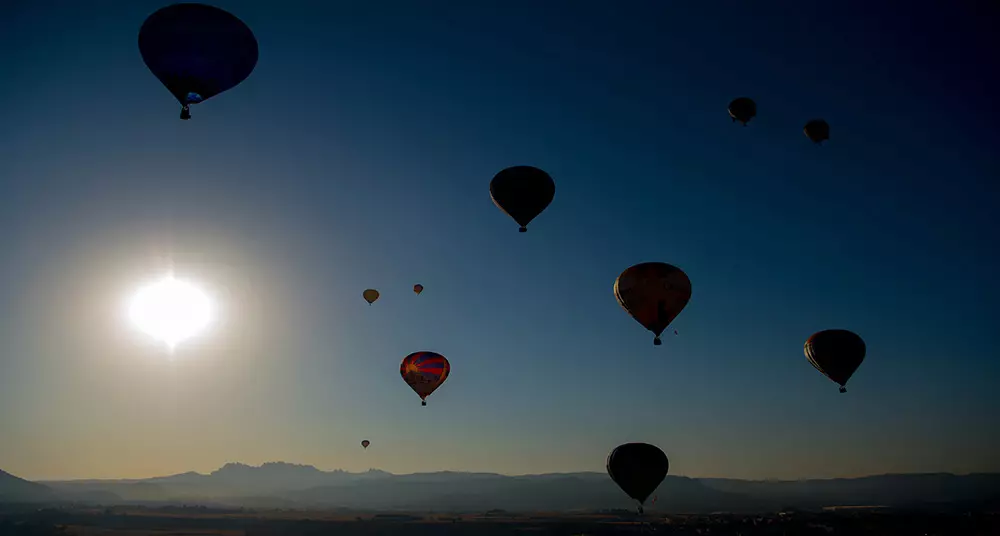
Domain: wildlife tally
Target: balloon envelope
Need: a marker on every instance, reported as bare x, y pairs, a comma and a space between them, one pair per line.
837, 353
817, 130
418, 288
522, 192
637, 468
370, 295
743, 110
197, 51
653, 293
424, 372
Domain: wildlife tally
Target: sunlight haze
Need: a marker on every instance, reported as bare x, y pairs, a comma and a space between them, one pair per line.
359, 155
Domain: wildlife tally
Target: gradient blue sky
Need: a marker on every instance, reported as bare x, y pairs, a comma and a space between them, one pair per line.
359, 154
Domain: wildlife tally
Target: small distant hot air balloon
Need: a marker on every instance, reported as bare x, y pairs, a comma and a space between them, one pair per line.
370, 295
638, 469
743, 110
365, 443
424, 372
522, 192
197, 51
837, 353
418, 288
654, 293
817, 130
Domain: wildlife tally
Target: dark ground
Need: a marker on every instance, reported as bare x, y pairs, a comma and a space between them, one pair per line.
190, 521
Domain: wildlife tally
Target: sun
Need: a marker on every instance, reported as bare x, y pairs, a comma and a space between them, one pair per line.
171, 310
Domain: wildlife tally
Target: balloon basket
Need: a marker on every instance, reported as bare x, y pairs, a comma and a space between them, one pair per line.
522, 230
657, 342
843, 389
423, 402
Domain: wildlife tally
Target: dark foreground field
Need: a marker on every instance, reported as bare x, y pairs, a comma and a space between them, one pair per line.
197, 521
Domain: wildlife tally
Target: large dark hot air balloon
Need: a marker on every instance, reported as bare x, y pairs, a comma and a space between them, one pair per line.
743, 110
638, 468
424, 372
418, 288
370, 295
654, 293
522, 192
817, 130
197, 51
365, 444
837, 353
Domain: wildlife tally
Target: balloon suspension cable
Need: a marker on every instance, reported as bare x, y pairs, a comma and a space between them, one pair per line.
657, 341
185, 112
843, 389
523, 229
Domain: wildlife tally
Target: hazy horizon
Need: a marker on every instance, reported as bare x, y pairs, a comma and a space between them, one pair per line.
333, 469
359, 154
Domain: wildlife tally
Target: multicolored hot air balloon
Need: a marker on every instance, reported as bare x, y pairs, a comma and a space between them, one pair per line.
418, 288
837, 353
638, 469
424, 372
365, 443
370, 295
817, 130
197, 51
654, 293
743, 110
522, 192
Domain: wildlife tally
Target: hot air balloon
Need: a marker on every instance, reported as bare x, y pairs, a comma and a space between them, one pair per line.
743, 110
837, 353
370, 295
522, 192
817, 130
365, 443
418, 288
197, 51
654, 293
424, 372
637, 468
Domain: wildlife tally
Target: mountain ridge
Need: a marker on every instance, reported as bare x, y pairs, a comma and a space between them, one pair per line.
283, 485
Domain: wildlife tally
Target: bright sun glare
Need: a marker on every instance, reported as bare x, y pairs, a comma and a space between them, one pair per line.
171, 310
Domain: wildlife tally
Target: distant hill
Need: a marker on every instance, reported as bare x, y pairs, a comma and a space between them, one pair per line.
15, 490
896, 491
287, 485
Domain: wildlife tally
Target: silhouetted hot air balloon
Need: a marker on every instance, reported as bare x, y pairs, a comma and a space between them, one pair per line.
522, 192
424, 372
837, 353
365, 443
638, 468
370, 295
817, 130
418, 288
654, 293
197, 51
743, 110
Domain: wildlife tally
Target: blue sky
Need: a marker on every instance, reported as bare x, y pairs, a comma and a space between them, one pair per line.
359, 153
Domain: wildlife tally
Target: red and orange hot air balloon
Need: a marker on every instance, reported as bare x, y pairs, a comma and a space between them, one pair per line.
424, 372
418, 288
653, 293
